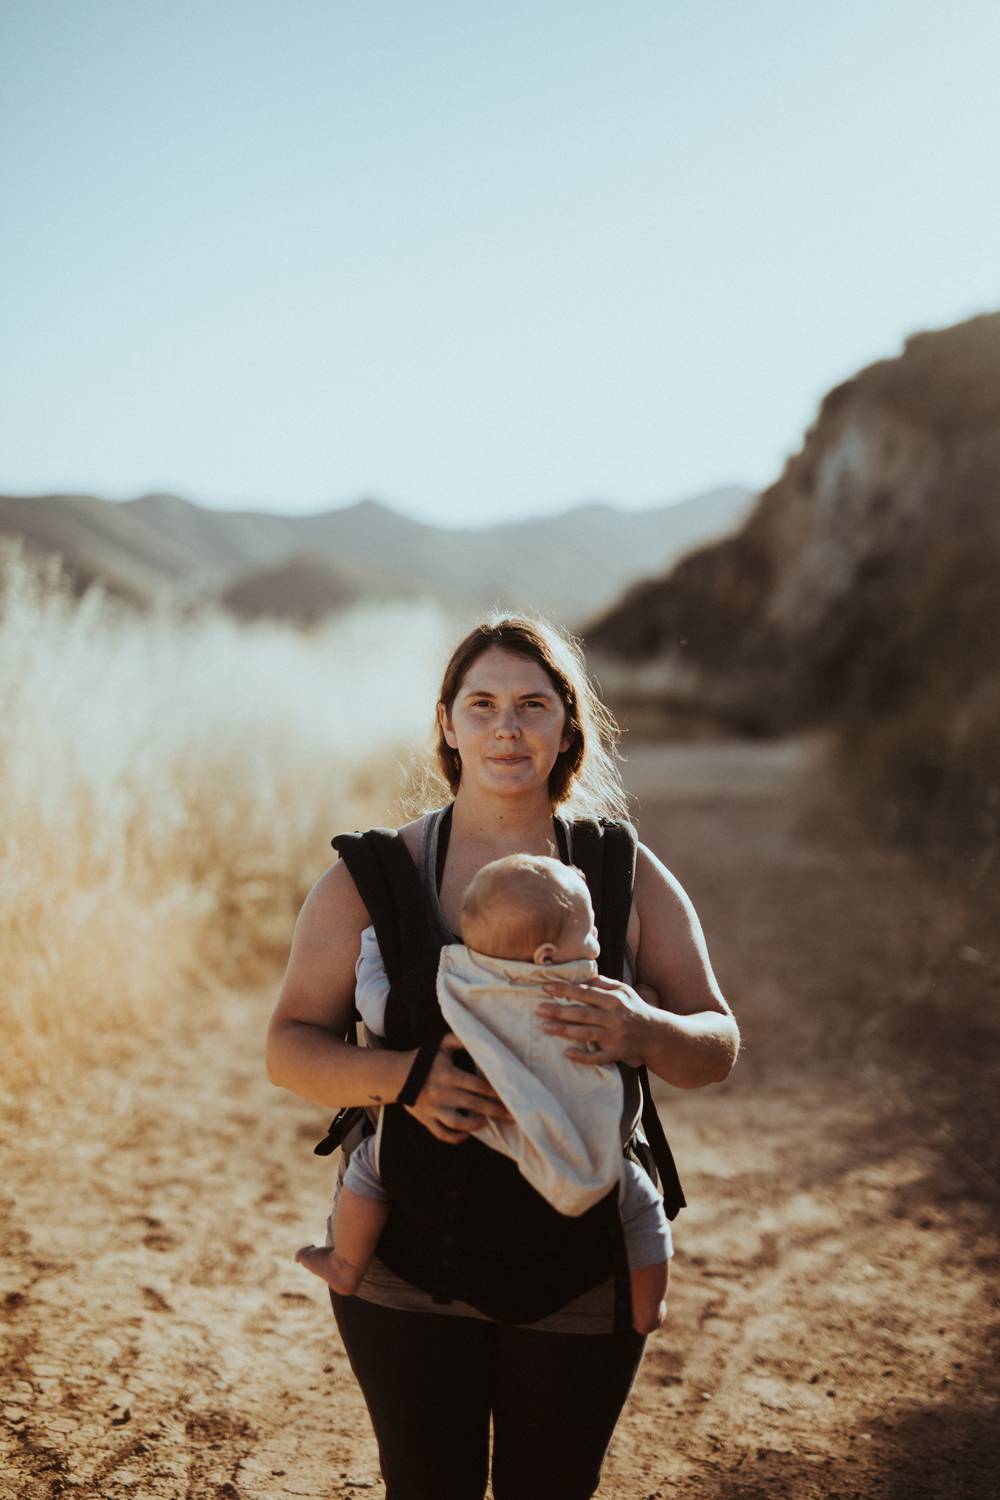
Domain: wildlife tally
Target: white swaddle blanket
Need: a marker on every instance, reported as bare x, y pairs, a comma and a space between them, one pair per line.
566, 1133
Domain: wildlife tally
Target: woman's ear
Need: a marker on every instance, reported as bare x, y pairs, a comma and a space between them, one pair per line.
450, 737
544, 954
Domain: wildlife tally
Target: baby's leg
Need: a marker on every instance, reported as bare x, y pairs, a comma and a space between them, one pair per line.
649, 1244
649, 1295
357, 1225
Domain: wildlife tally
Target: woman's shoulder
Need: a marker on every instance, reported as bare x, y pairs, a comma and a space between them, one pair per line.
410, 834
334, 902
653, 878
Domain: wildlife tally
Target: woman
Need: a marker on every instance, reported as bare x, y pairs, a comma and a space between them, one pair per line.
520, 733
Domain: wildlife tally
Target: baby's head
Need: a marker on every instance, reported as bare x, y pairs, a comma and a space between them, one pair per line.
529, 908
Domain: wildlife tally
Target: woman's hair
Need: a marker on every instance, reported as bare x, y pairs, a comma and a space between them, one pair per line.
585, 776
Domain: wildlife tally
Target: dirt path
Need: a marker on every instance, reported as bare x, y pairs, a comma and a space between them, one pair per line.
834, 1307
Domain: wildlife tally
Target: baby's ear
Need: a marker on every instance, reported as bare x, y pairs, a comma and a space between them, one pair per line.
544, 953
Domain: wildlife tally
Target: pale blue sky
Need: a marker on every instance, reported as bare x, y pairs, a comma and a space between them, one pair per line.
475, 259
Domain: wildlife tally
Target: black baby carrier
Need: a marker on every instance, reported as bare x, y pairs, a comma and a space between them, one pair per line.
463, 1223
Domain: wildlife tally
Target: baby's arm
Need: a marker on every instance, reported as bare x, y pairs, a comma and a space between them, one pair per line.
371, 988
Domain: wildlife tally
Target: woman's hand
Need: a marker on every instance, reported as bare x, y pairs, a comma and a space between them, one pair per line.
452, 1103
610, 1024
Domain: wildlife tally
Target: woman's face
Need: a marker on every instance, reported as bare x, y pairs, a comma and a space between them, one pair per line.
508, 723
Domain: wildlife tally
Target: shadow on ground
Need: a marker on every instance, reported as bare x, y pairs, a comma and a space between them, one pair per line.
944, 1451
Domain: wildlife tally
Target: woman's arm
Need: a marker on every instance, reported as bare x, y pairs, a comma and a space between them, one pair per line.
306, 1050
689, 1038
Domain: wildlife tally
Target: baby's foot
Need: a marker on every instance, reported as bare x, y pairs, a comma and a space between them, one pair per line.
323, 1261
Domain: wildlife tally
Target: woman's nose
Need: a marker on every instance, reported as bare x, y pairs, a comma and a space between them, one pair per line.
507, 725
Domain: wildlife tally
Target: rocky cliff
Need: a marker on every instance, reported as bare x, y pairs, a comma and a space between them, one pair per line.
884, 530
863, 592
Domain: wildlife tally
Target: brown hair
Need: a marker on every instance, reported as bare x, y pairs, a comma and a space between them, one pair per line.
515, 904
585, 772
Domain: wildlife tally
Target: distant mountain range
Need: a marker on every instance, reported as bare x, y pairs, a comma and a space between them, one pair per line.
255, 563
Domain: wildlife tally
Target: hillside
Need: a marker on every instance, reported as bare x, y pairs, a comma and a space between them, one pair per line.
304, 589
864, 590
93, 542
570, 565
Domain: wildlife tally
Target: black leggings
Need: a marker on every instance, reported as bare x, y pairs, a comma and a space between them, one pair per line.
431, 1383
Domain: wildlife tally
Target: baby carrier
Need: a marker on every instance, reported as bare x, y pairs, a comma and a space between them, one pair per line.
464, 1224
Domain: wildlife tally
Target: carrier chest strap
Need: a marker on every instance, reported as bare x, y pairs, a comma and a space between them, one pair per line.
417, 1076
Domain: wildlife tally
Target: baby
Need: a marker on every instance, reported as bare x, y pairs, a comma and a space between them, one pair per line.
525, 920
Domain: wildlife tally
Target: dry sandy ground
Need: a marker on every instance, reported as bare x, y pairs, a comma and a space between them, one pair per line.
834, 1313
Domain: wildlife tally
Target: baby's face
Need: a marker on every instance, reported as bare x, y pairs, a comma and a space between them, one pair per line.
579, 940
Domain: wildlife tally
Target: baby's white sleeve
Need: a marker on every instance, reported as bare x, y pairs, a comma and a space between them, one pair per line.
371, 984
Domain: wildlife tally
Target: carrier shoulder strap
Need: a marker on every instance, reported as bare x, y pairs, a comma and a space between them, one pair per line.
389, 884
606, 853
663, 1158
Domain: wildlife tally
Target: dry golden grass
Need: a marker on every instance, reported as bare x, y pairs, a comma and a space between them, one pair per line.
170, 788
